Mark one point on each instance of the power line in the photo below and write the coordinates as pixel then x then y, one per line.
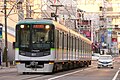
pixel 69 13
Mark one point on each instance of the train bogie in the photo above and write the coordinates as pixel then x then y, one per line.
pixel 44 68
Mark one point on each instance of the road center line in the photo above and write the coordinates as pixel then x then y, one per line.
pixel 114 78
pixel 67 74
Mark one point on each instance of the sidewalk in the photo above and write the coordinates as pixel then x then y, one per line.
pixel 8 69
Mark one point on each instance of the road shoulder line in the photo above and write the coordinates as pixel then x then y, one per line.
pixel 67 74
pixel 115 76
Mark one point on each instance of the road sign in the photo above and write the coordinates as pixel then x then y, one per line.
pixel 109 29
pixel 102 38
pixel 114 39
pixel 109 32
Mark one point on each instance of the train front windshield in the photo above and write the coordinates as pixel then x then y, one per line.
pixel 35 37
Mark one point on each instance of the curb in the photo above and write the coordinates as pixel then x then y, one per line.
pixel 7 69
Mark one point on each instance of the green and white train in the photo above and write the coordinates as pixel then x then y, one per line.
pixel 47 46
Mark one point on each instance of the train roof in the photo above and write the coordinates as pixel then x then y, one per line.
pixel 35 21
pixel 56 24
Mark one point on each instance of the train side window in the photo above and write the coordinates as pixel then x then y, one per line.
pixel 65 41
pixel 86 48
pixel 57 38
pixel 72 43
pixel 79 45
pixel 67 45
pixel 62 40
pixel 90 48
pixel 69 42
pixel 75 44
pixel 83 47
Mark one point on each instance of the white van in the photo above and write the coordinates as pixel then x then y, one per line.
pixel 105 61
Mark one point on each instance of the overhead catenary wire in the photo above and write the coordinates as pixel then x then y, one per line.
pixel 45 12
pixel 69 13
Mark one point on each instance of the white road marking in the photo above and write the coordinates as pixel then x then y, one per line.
pixel 67 74
pixel 37 78
pixel 114 78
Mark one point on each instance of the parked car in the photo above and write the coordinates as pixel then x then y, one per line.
pixel 95 56
pixel 105 61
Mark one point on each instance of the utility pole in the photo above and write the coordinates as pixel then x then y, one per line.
pixel 104 36
pixel 6 45
pixel 27 9
pixel 104 14
pixel 20 11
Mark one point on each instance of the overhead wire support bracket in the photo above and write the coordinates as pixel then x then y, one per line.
pixel 56 6
pixel 12 8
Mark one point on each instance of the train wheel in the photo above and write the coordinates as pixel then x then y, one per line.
pixel 54 68
pixel 24 73
pixel 66 66
pixel 87 64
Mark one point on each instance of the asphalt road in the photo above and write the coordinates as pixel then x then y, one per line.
pixel 87 73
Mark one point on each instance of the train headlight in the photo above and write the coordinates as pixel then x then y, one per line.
pixel 51 62
pixel 22 26
pixel 17 62
pixel 47 27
